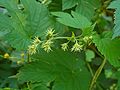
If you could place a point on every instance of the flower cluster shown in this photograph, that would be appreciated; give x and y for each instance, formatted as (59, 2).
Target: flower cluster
(77, 47)
(64, 46)
(78, 42)
(50, 32)
(47, 45)
(33, 48)
(36, 41)
(87, 39)
(113, 87)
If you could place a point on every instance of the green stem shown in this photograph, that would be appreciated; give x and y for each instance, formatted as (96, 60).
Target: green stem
(61, 37)
(1, 56)
(97, 73)
(90, 69)
(88, 65)
(28, 85)
(94, 49)
(28, 57)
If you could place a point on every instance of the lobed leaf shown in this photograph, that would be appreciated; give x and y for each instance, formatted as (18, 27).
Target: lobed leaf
(116, 5)
(65, 69)
(108, 47)
(23, 25)
(77, 21)
(83, 7)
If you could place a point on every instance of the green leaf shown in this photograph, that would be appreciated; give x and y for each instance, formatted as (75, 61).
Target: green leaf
(38, 86)
(59, 28)
(67, 4)
(108, 47)
(87, 7)
(108, 73)
(75, 21)
(116, 5)
(38, 17)
(84, 7)
(67, 70)
(56, 5)
(23, 25)
(88, 31)
(89, 55)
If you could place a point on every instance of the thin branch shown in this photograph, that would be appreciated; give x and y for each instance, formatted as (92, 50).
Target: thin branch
(97, 73)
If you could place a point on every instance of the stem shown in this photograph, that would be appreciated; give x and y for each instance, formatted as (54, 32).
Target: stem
(97, 73)
(28, 57)
(94, 49)
(90, 69)
(61, 37)
(78, 36)
(28, 85)
(1, 56)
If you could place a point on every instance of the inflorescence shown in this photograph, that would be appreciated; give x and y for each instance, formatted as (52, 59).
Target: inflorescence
(78, 42)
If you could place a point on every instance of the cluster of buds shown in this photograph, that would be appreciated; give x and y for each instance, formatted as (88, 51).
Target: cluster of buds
(87, 39)
(47, 45)
(79, 42)
(64, 46)
(113, 87)
(36, 41)
(50, 34)
(77, 47)
(33, 48)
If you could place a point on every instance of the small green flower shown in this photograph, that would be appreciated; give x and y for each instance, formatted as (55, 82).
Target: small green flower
(36, 41)
(77, 47)
(47, 46)
(64, 46)
(32, 49)
(87, 38)
(90, 37)
(50, 32)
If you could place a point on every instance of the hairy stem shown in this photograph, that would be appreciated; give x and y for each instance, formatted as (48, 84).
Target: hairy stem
(97, 73)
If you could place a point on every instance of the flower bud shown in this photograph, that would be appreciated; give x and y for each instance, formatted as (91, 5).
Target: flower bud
(6, 56)
(36, 41)
(32, 49)
(47, 46)
(64, 46)
(77, 47)
(50, 32)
